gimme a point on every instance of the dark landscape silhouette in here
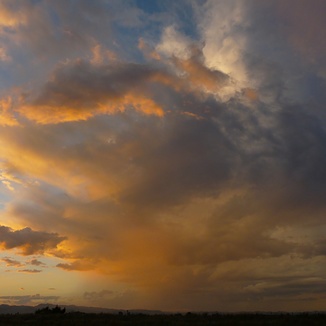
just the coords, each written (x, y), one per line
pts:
(48, 314)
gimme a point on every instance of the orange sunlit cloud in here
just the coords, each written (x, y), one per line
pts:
(6, 113)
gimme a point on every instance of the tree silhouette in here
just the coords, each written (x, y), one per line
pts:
(47, 310)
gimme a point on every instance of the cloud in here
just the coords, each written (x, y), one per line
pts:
(199, 75)
(3, 55)
(174, 43)
(80, 90)
(12, 262)
(195, 217)
(76, 266)
(28, 299)
(37, 29)
(223, 27)
(195, 176)
(9, 16)
(30, 271)
(28, 241)
(7, 117)
(36, 262)
(301, 25)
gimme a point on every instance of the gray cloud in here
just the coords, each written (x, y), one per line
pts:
(301, 25)
(36, 262)
(81, 85)
(29, 241)
(11, 262)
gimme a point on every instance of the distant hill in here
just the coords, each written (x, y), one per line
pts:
(7, 309)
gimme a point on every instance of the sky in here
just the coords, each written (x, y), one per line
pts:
(163, 154)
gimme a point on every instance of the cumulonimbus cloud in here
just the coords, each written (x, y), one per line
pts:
(198, 169)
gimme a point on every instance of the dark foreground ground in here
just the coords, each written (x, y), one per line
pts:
(177, 319)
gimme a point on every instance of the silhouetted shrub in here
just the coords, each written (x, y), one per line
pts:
(47, 310)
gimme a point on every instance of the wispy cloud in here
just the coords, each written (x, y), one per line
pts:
(30, 271)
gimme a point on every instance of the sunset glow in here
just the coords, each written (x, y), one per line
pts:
(163, 154)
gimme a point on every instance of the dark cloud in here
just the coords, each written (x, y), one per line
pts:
(294, 288)
(12, 262)
(170, 164)
(82, 84)
(80, 90)
(302, 24)
(36, 262)
(28, 241)
(305, 149)
(49, 28)
(194, 166)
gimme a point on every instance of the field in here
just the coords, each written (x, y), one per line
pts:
(173, 319)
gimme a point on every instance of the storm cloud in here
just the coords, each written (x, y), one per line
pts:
(179, 163)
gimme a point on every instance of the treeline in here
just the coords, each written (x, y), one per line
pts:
(58, 316)
(47, 310)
